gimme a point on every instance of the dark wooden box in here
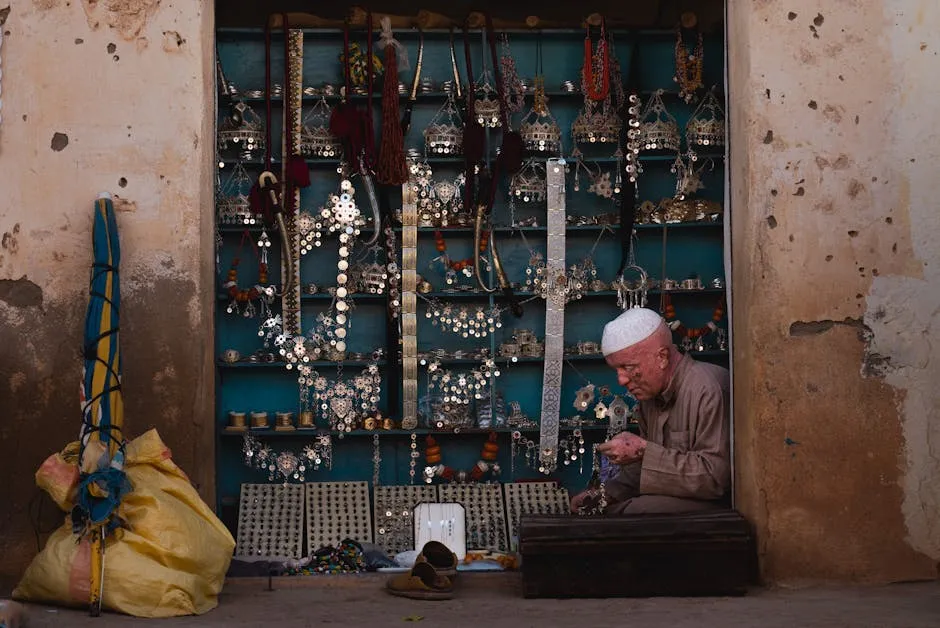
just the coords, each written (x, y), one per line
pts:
(637, 556)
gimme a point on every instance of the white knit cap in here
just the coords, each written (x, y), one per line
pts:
(634, 325)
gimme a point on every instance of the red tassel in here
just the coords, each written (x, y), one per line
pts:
(511, 151)
(391, 169)
(474, 141)
(257, 200)
(298, 174)
(342, 119)
(348, 124)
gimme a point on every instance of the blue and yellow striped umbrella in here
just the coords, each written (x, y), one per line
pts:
(103, 482)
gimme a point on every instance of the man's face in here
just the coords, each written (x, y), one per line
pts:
(641, 369)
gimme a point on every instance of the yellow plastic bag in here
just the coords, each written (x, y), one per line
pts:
(170, 561)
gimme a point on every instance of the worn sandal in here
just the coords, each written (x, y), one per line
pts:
(440, 557)
(421, 583)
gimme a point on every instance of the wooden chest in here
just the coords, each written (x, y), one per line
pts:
(637, 556)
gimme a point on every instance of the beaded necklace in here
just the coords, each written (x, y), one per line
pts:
(688, 67)
(244, 296)
(694, 332)
(596, 66)
(486, 464)
(465, 265)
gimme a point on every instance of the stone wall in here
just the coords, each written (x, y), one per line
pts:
(103, 96)
(834, 193)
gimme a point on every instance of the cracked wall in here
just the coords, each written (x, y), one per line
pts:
(88, 106)
(833, 193)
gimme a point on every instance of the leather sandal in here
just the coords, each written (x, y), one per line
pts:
(440, 557)
(421, 583)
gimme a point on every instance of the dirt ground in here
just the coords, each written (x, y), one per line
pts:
(495, 601)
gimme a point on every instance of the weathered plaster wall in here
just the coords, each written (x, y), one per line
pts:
(834, 192)
(103, 96)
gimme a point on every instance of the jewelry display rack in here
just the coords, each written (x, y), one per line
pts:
(485, 513)
(542, 498)
(270, 521)
(337, 511)
(678, 243)
(394, 513)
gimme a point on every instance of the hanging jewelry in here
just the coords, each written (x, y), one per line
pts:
(598, 121)
(618, 178)
(414, 455)
(595, 126)
(342, 404)
(462, 321)
(658, 128)
(706, 126)
(286, 465)
(632, 294)
(595, 74)
(595, 502)
(633, 166)
(241, 133)
(376, 460)
(242, 299)
(528, 185)
(569, 287)
(688, 176)
(264, 245)
(392, 168)
(341, 215)
(618, 412)
(444, 134)
(486, 106)
(600, 185)
(584, 397)
(688, 66)
(316, 140)
(308, 231)
(435, 468)
(457, 390)
(232, 202)
(513, 89)
(393, 273)
(539, 129)
(440, 203)
(693, 333)
(573, 448)
(454, 270)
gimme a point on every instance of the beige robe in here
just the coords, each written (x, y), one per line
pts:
(687, 463)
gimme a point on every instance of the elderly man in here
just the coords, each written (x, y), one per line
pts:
(681, 460)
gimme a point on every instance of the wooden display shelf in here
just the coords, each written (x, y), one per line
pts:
(421, 431)
(231, 33)
(322, 296)
(596, 357)
(432, 96)
(325, 161)
(459, 160)
(702, 224)
(282, 365)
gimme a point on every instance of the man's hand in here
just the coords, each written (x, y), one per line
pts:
(623, 448)
(577, 501)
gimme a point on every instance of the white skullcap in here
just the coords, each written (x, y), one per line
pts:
(634, 325)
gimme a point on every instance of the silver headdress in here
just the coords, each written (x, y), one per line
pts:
(658, 128)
